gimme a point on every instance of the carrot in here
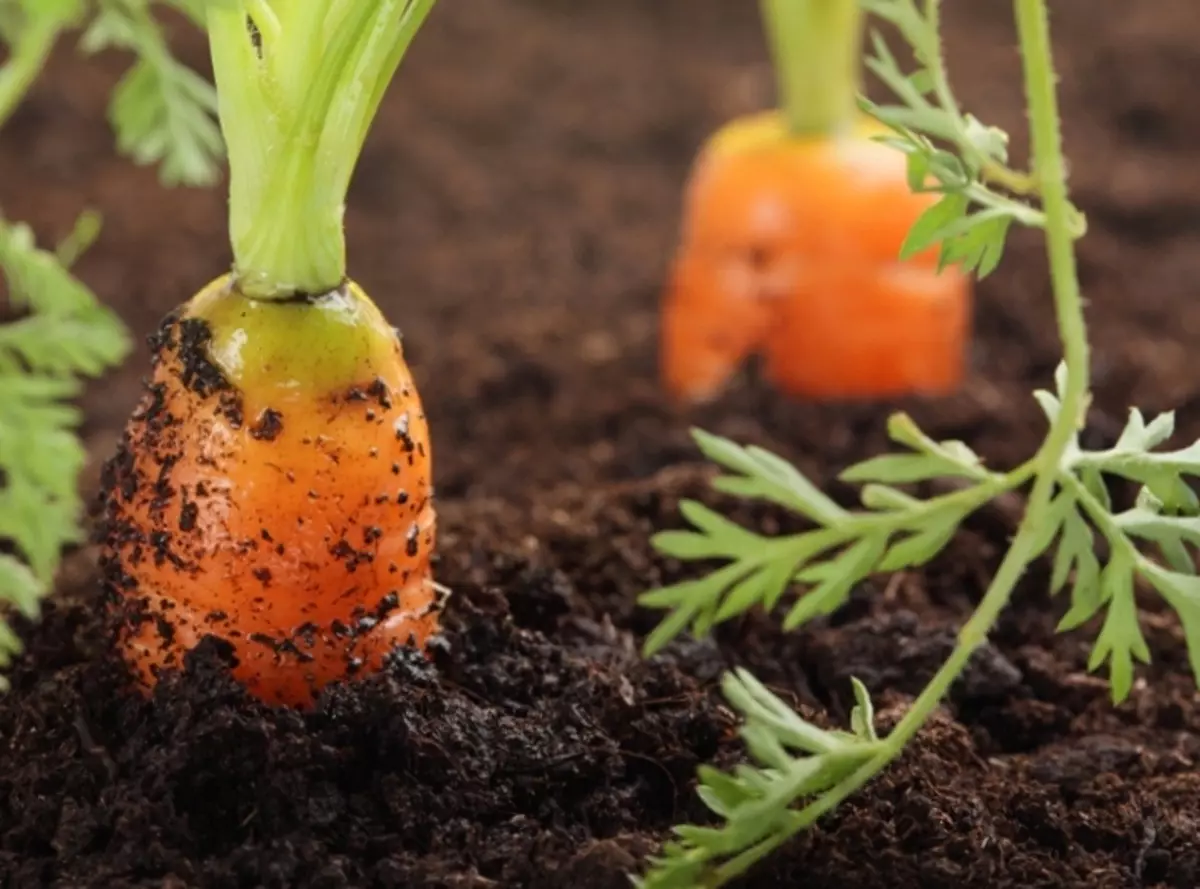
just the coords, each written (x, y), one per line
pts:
(792, 228)
(273, 487)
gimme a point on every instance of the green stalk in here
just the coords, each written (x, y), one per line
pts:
(295, 116)
(816, 46)
(993, 172)
(1050, 168)
(28, 58)
(1033, 29)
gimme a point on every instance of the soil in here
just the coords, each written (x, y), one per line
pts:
(513, 213)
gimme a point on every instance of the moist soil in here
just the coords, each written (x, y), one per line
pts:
(514, 213)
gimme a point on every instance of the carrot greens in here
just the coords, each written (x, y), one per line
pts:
(54, 333)
(61, 335)
(163, 112)
(800, 772)
(299, 83)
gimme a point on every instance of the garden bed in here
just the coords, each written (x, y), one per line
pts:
(514, 213)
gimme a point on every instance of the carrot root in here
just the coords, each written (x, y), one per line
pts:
(290, 515)
(790, 247)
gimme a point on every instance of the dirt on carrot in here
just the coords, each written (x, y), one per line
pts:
(527, 281)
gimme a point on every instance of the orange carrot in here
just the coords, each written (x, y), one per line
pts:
(274, 486)
(791, 236)
(713, 318)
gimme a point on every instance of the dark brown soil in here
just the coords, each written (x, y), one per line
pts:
(513, 213)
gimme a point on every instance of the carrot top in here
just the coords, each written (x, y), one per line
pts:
(276, 350)
(816, 46)
(299, 83)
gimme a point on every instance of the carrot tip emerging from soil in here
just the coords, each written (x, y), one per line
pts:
(274, 489)
(790, 247)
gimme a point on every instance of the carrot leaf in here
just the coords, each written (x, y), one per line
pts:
(800, 768)
(163, 112)
(30, 29)
(792, 759)
(895, 530)
(1165, 521)
(949, 151)
(1181, 589)
(59, 336)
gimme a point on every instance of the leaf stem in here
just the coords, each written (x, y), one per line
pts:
(991, 171)
(1050, 169)
(816, 46)
(1104, 521)
(1033, 28)
(1034, 32)
(1012, 181)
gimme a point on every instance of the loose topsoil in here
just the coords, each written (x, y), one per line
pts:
(513, 213)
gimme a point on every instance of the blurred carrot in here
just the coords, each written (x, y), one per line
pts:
(274, 485)
(790, 242)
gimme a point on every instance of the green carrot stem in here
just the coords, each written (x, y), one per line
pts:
(298, 92)
(816, 46)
